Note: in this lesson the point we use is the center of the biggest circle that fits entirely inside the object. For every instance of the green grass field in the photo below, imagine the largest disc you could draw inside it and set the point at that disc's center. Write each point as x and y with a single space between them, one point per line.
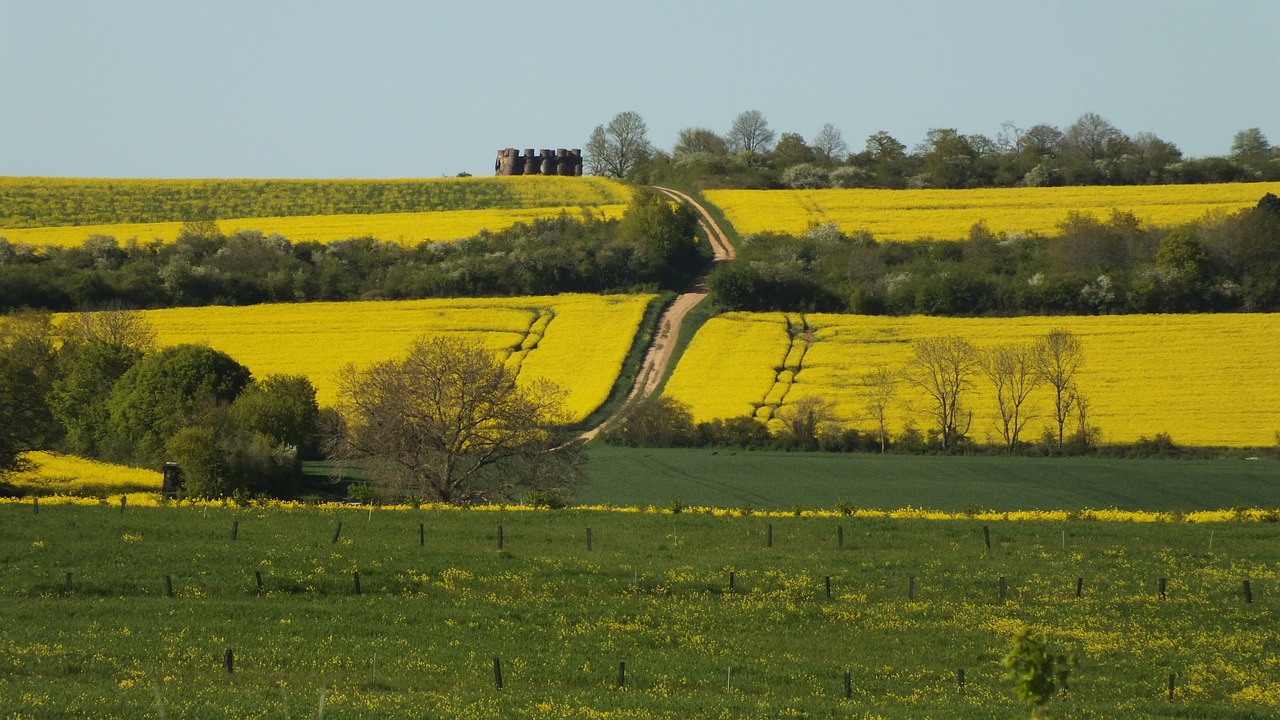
782 481
652 592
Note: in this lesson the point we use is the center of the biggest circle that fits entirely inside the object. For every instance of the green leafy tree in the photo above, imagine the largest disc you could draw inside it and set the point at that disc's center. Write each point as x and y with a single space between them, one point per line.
1035 671
663 231
28 370
656 422
97 349
694 140
166 392
282 409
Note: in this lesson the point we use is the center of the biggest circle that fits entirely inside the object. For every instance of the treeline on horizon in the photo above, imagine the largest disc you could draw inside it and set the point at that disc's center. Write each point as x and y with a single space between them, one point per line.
652 247
1113 266
752 155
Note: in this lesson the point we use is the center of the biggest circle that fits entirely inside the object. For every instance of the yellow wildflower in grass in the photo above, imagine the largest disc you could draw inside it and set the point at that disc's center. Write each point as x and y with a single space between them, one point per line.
949 214
576 341
1106 515
408 229
1204 379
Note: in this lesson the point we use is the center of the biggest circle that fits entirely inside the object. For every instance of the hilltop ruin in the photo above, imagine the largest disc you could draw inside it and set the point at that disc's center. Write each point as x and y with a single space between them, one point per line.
560 162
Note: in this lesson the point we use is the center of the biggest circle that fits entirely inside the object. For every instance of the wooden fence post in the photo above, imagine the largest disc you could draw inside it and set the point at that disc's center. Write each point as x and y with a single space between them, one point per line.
622 674
422 534
168 585
1079 586
499 537
356 576
986 536
840 536
768 542
848 685
911 588
1003 589
337 531
497 672
588 539
235 529
1163 585
1248 592
229 661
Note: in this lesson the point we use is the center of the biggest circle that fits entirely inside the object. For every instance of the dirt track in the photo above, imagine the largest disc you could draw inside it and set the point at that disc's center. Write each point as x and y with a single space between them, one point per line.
658 356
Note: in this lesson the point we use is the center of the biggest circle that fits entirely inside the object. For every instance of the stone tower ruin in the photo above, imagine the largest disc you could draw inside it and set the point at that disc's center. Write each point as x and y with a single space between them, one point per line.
561 162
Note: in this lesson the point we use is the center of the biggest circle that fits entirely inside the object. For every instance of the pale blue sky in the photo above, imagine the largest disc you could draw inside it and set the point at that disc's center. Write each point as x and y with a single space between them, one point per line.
263 88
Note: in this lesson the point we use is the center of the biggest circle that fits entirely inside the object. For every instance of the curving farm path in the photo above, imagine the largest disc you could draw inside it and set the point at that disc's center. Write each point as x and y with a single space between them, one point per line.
658 356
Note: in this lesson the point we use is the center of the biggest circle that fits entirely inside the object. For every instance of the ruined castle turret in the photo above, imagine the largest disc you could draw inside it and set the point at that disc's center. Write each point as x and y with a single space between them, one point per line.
546 162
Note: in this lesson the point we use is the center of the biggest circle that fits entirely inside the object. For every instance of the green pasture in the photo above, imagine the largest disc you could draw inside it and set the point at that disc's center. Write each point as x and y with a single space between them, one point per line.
911 603
785 480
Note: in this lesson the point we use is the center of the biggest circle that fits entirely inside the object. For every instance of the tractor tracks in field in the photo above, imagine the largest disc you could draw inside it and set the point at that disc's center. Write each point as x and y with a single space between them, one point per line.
800 337
657 357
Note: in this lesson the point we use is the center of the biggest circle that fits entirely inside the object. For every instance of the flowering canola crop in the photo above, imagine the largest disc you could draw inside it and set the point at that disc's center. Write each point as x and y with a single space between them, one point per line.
576 341
64 212
1204 379
949 214
408 229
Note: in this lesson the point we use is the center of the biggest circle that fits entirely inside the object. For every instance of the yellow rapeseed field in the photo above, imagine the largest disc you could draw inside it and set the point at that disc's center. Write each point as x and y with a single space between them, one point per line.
1204 379
949 214
408 229
55 474
576 341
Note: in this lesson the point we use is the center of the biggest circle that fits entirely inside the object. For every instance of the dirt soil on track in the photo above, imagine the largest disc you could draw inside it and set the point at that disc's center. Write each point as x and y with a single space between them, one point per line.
658 356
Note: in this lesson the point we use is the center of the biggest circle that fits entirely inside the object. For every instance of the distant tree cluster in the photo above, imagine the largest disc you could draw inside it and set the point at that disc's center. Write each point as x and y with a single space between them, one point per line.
652 246
95 386
1117 265
1091 151
1032 381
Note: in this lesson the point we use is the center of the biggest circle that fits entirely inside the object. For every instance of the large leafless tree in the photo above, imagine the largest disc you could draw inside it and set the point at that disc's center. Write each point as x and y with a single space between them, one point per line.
448 423
878 388
1011 368
750 133
1059 356
616 149
944 369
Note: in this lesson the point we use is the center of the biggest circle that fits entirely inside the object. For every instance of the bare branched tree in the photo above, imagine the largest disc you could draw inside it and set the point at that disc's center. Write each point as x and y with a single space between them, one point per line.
1011 369
448 423
112 325
750 133
878 389
616 149
944 369
805 419
1059 356
830 144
